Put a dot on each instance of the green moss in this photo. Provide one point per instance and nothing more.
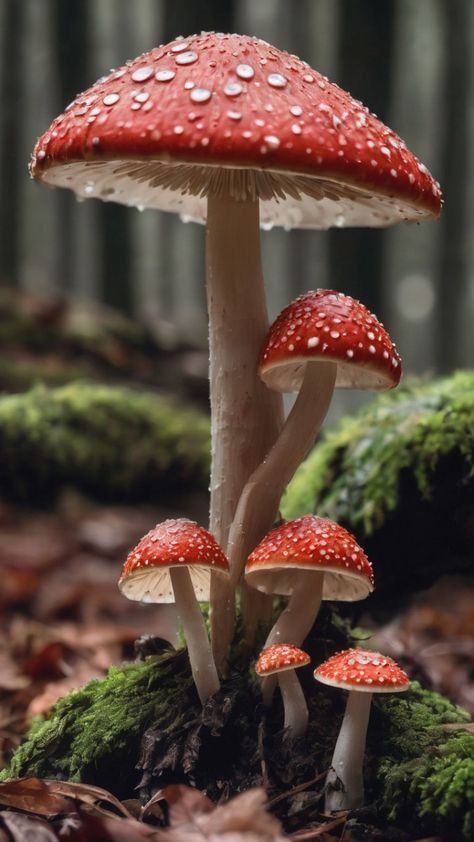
(113, 443)
(103, 722)
(418, 773)
(355, 474)
(426, 771)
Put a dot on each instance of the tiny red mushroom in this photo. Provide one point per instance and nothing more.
(281, 660)
(308, 560)
(228, 130)
(362, 673)
(321, 341)
(173, 563)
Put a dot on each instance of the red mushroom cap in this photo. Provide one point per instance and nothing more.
(157, 132)
(314, 544)
(326, 325)
(173, 543)
(280, 657)
(361, 669)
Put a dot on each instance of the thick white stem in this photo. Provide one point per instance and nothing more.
(348, 758)
(199, 650)
(294, 703)
(260, 499)
(246, 416)
(295, 622)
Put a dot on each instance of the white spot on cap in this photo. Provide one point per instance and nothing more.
(141, 74)
(245, 71)
(276, 80)
(296, 110)
(164, 75)
(272, 141)
(233, 89)
(313, 342)
(200, 95)
(111, 99)
(186, 58)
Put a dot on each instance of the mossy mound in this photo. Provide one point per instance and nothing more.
(112, 443)
(142, 727)
(399, 475)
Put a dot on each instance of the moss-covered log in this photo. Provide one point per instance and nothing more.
(142, 727)
(112, 443)
(400, 476)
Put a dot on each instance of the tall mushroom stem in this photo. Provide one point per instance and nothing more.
(199, 650)
(345, 782)
(260, 499)
(294, 703)
(246, 416)
(296, 621)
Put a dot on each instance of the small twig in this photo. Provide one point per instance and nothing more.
(296, 790)
(313, 833)
(261, 752)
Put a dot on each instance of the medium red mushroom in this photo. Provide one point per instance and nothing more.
(281, 660)
(362, 673)
(228, 130)
(173, 563)
(321, 341)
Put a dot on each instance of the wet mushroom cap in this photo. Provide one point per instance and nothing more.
(280, 657)
(217, 113)
(329, 326)
(361, 669)
(173, 543)
(313, 544)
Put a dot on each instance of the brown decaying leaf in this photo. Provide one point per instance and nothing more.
(52, 798)
(23, 828)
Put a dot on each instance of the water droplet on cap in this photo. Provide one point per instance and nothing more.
(164, 75)
(296, 110)
(179, 48)
(142, 74)
(245, 71)
(200, 95)
(186, 58)
(233, 89)
(111, 99)
(141, 97)
(276, 80)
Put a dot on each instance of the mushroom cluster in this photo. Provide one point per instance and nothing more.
(230, 131)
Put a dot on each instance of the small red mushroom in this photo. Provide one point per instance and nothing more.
(362, 673)
(281, 660)
(321, 341)
(308, 560)
(173, 563)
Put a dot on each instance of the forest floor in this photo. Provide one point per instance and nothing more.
(64, 622)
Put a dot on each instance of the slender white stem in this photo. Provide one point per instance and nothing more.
(246, 416)
(294, 703)
(345, 782)
(295, 622)
(260, 499)
(199, 650)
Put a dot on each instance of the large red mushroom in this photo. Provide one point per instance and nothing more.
(228, 130)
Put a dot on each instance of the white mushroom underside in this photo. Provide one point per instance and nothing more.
(288, 376)
(154, 584)
(338, 584)
(287, 199)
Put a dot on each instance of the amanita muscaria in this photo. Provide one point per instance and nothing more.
(173, 563)
(307, 560)
(362, 673)
(281, 660)
(230, 131)
(322, 341)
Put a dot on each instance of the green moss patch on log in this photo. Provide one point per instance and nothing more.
(112, 443)
(399, 475)
(142, 727)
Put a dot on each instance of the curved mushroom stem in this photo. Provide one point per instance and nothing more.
(246, 416)
(260, 499)
(199, 650)
(295, 622)
(294, 703)
(344, 782)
